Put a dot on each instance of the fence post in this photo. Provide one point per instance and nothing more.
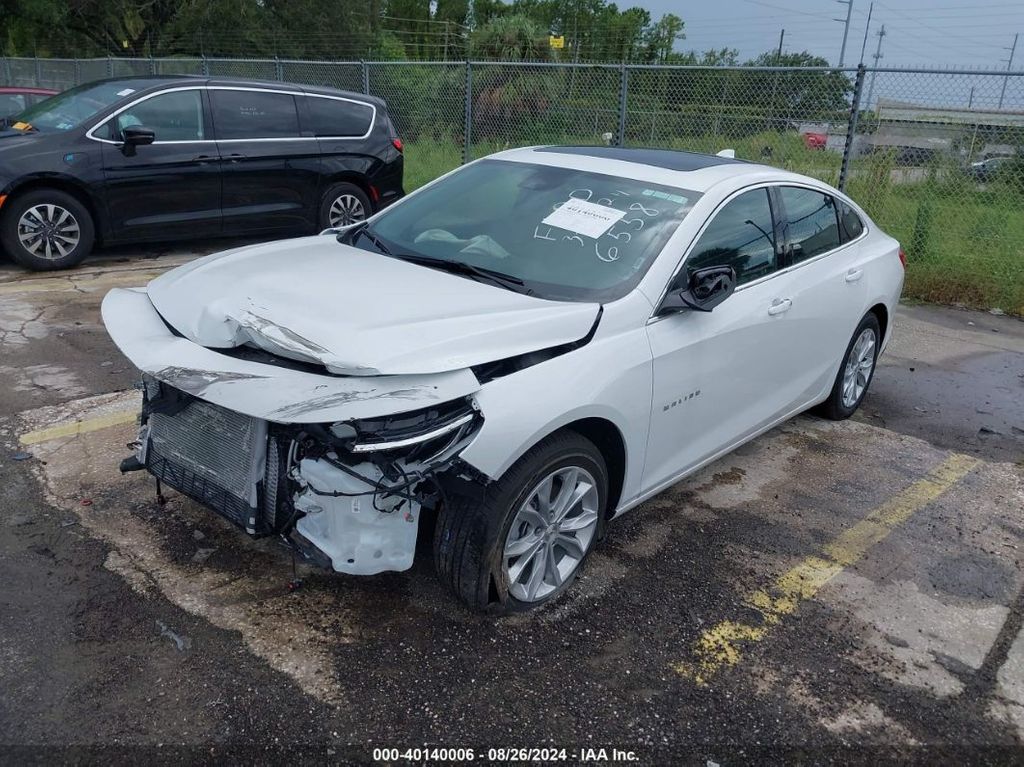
(7, 71)
(206, 67)
(39, 72)
(278, 69)
(78, 71)
(467, 130)
(620, 133)
(365, 69)
(110, 66)
(851, 127)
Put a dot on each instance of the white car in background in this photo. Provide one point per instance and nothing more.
(507, 358)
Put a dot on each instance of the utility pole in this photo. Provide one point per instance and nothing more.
(775, 82)
(867, 29)
(878, 54)
(1009, 66)
(846, 28)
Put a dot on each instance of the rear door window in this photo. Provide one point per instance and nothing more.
(849, 222)
(333, 117)
(741, 235)
(254, 114)
(811, 221)
(173, 116)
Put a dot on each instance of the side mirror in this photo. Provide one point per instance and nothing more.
(706, 289)
(137, 135)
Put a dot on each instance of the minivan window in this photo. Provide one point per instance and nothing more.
(173, 116)
(73, 107)
(333, 117)
(11, 103)
(249, 114)
(741, 235)
(811, 217)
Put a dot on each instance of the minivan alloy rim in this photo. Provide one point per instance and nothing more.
(347, 209)
(551, 533)
(858, 367)
(48, 231)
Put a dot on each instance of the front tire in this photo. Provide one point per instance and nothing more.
(855, 372)
(524, 542)
(46, 229)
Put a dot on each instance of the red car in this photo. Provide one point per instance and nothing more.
(815, 140)
(15, 100)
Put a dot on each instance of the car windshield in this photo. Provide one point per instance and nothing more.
(560, 233)
(73, 107)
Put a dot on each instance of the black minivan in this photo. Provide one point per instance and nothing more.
(165, 158)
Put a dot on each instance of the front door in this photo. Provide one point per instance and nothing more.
(172, 187)
(718, 376)
(271, 171)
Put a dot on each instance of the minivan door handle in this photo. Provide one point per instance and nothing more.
(854, 274)
(203, 158)
(779, 305)
(235, 157)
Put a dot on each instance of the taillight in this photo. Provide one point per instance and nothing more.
(397, 144)
(903, 258)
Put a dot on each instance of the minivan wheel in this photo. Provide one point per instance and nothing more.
(46, 229)
(855, 373)
(344, 204)
(522, 544)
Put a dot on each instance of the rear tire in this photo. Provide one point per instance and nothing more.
(856, 371)
(506, 552)
(46, 229)
(344, 204)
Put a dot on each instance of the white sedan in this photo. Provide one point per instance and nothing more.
(506, 359)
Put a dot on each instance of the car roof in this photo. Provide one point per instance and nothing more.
(694, 171)
(671, 159)
(156, 82)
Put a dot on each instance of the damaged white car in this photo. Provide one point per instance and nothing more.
(507, 358)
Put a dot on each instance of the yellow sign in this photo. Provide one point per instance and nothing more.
(21, 126)
(556, 41)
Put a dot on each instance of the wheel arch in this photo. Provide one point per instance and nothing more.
(356, 179)
(609, 441)
(64, 184)
(881, 311)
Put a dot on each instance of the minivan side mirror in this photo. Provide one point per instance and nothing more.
(706, 288)
(136, 135)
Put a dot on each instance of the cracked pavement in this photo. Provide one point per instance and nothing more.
(126, 623)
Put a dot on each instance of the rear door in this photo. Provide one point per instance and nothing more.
(825, 268)
(170, 188)
(270, 169)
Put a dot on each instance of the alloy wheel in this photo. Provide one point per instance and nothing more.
(48, 231)
(859, 365)
(551, 533)
(347, 209)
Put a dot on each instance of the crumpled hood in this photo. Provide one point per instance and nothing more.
(356, 312)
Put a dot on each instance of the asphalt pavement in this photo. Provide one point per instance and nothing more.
(829, 592)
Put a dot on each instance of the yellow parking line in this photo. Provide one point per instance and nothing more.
(78, 427)
(722, 646)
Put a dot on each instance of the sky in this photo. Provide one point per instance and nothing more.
(943, 33)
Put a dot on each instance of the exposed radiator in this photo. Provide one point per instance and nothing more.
(214, 455)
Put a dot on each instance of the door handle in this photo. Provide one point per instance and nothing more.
(235, 157)
(203, 158)
(854, 274)
(779, 305)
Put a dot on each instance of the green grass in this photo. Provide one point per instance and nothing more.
(965, 243)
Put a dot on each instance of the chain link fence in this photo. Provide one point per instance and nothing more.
(936, 157)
